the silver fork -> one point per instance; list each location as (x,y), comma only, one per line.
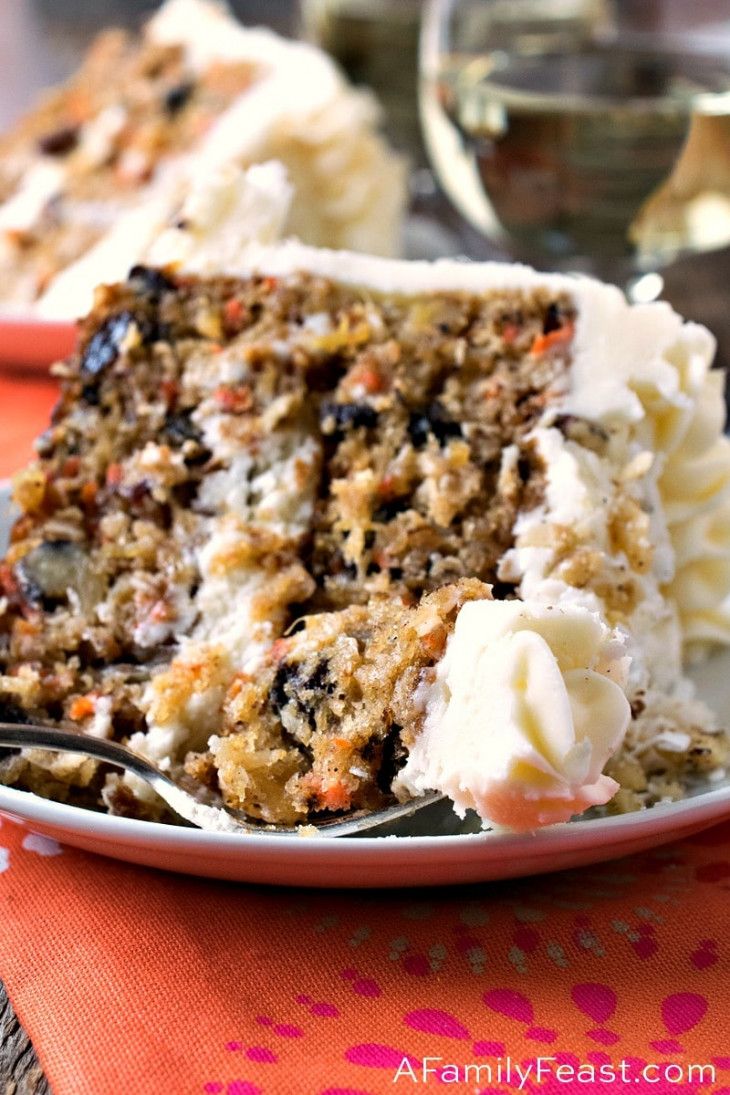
(203,815)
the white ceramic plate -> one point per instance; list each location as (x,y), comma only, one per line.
(367,862)
(385,861)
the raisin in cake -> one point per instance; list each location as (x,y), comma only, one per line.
(332,529)
(91,174)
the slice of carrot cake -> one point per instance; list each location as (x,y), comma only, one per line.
(92,173)
(333,529)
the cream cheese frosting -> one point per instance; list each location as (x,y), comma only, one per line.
(526,707)
(272,491)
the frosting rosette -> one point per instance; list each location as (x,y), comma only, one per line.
(654,505)
(524,711)
(695,489)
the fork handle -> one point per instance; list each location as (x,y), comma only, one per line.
(36,736)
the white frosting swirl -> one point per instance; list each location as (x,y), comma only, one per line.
(645,377)
(695,490)
(526,707)
(700,587)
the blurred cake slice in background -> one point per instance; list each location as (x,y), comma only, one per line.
(146,120)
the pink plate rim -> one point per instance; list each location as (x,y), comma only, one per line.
(29,344)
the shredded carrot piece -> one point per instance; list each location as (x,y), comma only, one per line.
(169,390)
(279,649)
(386,486)
(234,400)
(542,343)
(89,492)
(372,381)
(81,708)
(114,475)
(493,389)
(8,582)
(334,797)
(434,642)
(28,628)
(369,378)
(241,680)
(233,314)
(71,466)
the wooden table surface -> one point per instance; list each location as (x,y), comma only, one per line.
(20,1073)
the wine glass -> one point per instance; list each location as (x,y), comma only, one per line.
(589,135)
(376,42)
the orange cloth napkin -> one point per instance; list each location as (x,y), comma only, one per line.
(135,981)
(25,405)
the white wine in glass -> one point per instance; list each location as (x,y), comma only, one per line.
(376,42)
(550,126)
